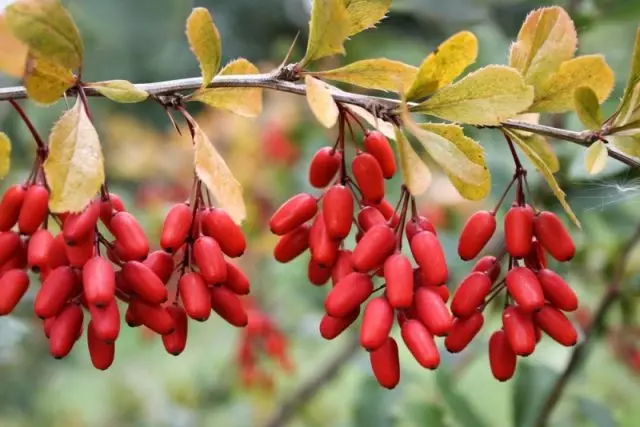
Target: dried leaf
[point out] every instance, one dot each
(633, 83)
(46, 81)
(444, 64)
(415, 173)
(484, 97)
(542, 148)
(74, 167)
(321, 102)
(245, 101)
(5, 155)
(588, 107)
(48, 29)
(121, 91)
(386, 128)
(542, 168)
(382, 74)
(556, 94)
(595, 157)
(364, 14)
(14, 53)
(204, 40)
(214, 172)
(473, 151)
(547, 39)
(329, 27)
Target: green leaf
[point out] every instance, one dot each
(204, 40)
(588, 107)
(373, 405)
(595, 157)
(321, 101)
(459, 407)
(633, 84)
(329, 27)
(484, 97)
(547, 39)
(381, 74)
(121, 91)
(531, 385)
(48, 29)
(442, 66)
(631, 111)
(75, 166)
(415, 173)
(542, 148)
(597, 413)
(5, 155)
(425, 414)
(474, 152)
(46, 81)
(546, 173)
(629, 145)
(364, 14)
(215, 174)
(556, 94)
(245, 101)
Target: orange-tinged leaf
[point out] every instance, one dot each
(14, 53)
(321, 102)
(204, 40)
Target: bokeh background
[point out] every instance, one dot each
(149, 165)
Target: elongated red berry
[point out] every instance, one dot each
(228, 306)
(153, 316)
(555, 324)
(377, 322)
(317, 274)
(385, 364)
(144, 282)
(78, 226)
(368, 175)
(13, 285)
(176, 227)
(502, 359)
(431, 310)
(324, 249)
(462, 332)
(195, 296)
(388, 211)
(376, 144)
(398, 274)
(476, 233)
(175, 342)
(55, 291)
(106, 321)
(417, 224)
(342, 267)
(470, 294)
(536, 259)
(101, 352)
(557, 291)
(34, 209)
(337, 209)
(237, 282)
(130, 235)
(81, 252)
(293, 213)
(161, 263)
(428, 253)
(9, 245)
(65, 331)
(130, 316)
(210, 260)
(553, 236)
(218, 224)
(331, 327)
(292, 244)
(518, 230)
(99, 281)
(10, 206)
(108, 207)
(525, 289)
(324, 166)
(58, 252)
(420, 343)
(370, 216)
(38, 249)
(347, 295)
(488, 264)
(374, 247)
(519, 329)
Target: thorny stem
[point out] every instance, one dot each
(504, 194)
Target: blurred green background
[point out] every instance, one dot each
(150, 167)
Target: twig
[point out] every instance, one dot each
(580, 352)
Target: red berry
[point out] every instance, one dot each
(176, 227)
(489, 265)
(432, 311)
(10, 206)
(13, 285)
(502, 359)
(553, 236)
(428, 253)
(557, 291)
(34, 209)
(378, 146)
(536, 258)
(418, 224)
(79, 226)
(228, 306)
(130, 316)
(374, 248)
(518, 230)
(324, 250)
(385, 363)
(130, 235)
(161, 263)
(210, 260)
(347, 295)
(519, 329)
(292, 244)
(9, 244)
(470, 294)
(337, 209)
(443, 291)
(331, 327)
(324, 166)
(555, 324)
(476, 233)
(106, 321)
(218, 224)
(55, 291)
(108, 208)
(46, 326)
(318, 274)
(81, 252)
(175, 342)
(370, 216)
(420, 343)
(65, 331)
(101, 352)
(195, 296)
(236, 281)
(38, 250)
(99, 281)
(144, 282)
(377, 322)
(398, 275)
(368, 176)
(525, 289)
(293, 213)
(153, 316)
(342, 267)
(58, 252)
(462, 332)
(388, 211)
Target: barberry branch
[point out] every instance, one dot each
(580, 351)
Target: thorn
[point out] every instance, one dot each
(290, 51)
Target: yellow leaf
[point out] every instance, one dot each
(74, 167)
(204, 40)
(245, 101)
(415, 173)
(542, 148)
(5, 155)
(48, 29)
(547, 39)
(46, 81)
(629, 145)
(472, 150)
(14, 52)
(444, 64)
(542, 168)
(556, 94)
(329, 27)
(386, 128)
(484, 97)
(214, 172)
(321, 102)
(588, 108)
(121, 91)
(365, 14)
(382, 74)
(444, 152)
(595, 157)
(633, 83)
